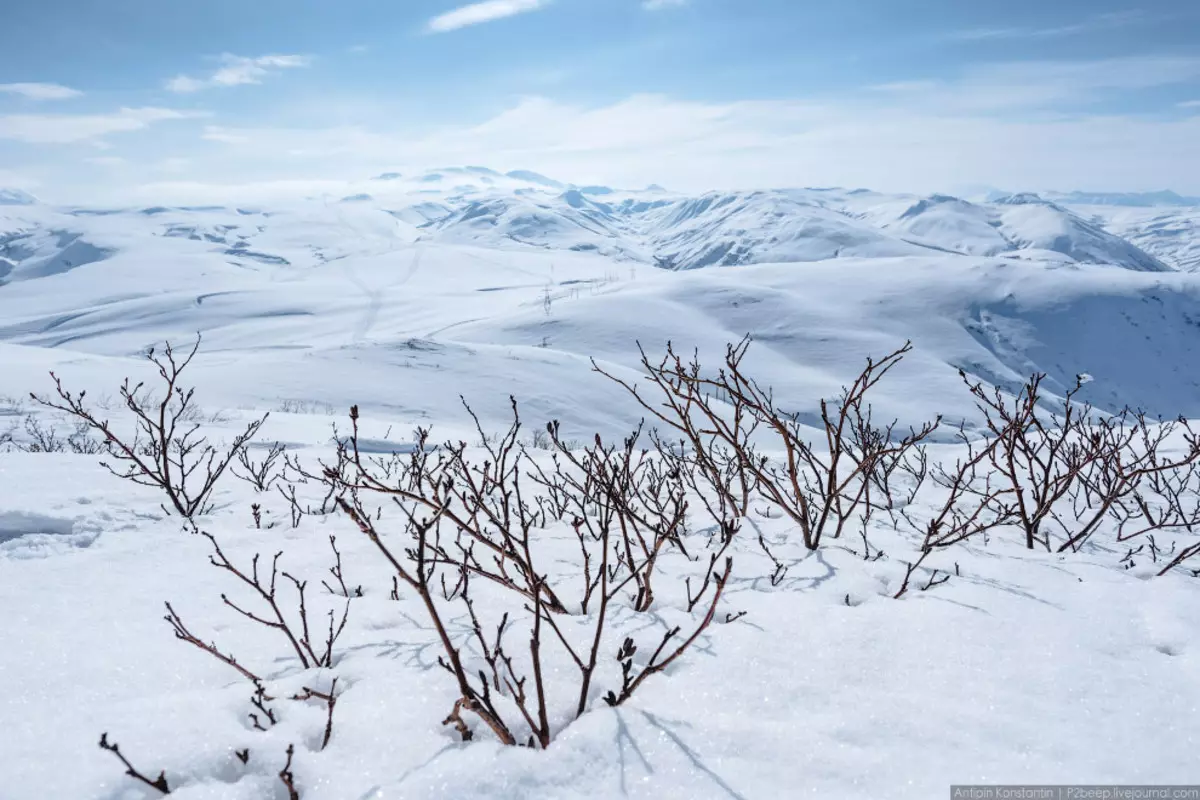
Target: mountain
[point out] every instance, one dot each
(568, 222)
(1133, 199)
(482, 207)
(1018, 226)
(953, 224)
(759, 227)
(1032, 222)
(436, 255)
(16, 197)
(1171, 234)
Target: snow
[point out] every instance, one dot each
(422, 288)
(16, 197)
(1171, 234)
(827, 687)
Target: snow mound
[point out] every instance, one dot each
(27, 535)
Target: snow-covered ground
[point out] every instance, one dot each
(404, 294)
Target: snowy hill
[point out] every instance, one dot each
(482, 207)
(472, 257)
(1170, 234)
(1019, 225)
(16, 197)
(760, 227)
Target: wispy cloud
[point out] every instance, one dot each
(698, 146)
(1098, 22)
(238, 71)
(487, 11)
(658, 5)
(72, 128)
(40, 91)
(1189, 104)
(1020, 124)
(1041, 85)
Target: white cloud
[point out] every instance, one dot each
(1189, 104)
(1098, 22)
(1020, 126)
(486, 11)
(658, 5)
(40, 91)
(70, 128)
(698, 146)
(238, 71)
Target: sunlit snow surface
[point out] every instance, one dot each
(404, 294)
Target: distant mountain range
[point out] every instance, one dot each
(1136, 199)
(1154, 232)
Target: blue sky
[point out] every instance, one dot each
(140, 98)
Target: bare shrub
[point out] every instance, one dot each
(330, 699)
(540, 440)
(14, 408)
(471, 528)
(165, 451)
(159, 783)
(606, 487)
(1071, 469)
(287, 778)
(1040, 455)
(471, 533)
(305, 407)
(1135, 485)
(821, 487)
(972, 505)
(35, 436)
(706, 431)
(294, 628)
(263, 474)
(294, 481)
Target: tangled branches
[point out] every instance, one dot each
(820, 487)
(475, 528)
(167, 449)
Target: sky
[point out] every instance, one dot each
(140, 100)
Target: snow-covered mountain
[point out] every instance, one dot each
(1128, 199)
(475, 257)
(1170, 234)
(482, 207)
(16, 197)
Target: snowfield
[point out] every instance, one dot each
(408, 294)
